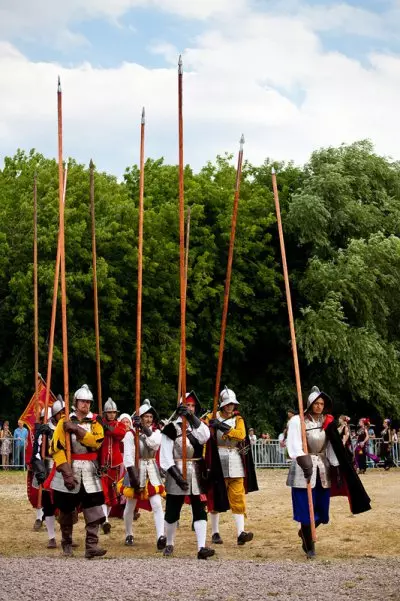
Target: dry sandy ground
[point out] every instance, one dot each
(358, 557)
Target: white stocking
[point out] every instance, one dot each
(214, 522)
(201, 532)
(39, 514)
(239, 519)
(106, 511)
(170, 530)
(50, 524)
(158, 514)
(128, 516)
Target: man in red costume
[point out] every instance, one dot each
(111, 458)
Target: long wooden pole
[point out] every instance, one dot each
(140, 282)
(35, 298)
(186, 283)
(51, 336)
(228, 277)
(294, 344)
(95, 294)
(182, 257)
(62, 264)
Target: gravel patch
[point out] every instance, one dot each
(191, 579)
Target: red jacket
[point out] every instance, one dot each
(110, 451)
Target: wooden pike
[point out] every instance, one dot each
(140, 283)
(62, 264)
(294, 343)
(228, 277)
(95, 295)
(182, 258)
(186, 282)
(35, 299)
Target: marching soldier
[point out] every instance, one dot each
(110, 458)
(237, 463)
(177, 487)
(145, 486)
(79, 483)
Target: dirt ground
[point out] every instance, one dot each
(361, 553)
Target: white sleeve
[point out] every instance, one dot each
(153, 442)
(129, 449)
(330, 455)
(166, 453)
(202, 433)
(294, 443)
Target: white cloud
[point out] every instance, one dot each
(263, 74)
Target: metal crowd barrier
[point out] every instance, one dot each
(16, 456)
(271, 455)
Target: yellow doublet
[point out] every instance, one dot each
(92, 440)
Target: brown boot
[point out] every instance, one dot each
(94, 516)
(66, 525)
(52, 543)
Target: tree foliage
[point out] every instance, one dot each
(341, 216)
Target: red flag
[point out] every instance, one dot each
(29, 416)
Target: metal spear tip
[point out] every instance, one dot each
(143, 116)
(91, 164)
(241, 142)
(59, 84)
(273, 170)
(180, 65)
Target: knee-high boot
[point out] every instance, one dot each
(94, 516)
(66, 521)
(308, 545)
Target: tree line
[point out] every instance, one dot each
(341, 218)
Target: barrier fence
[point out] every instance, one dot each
(272, 455)
(266, 454)
(12, 454)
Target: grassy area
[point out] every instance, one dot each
(373, 534)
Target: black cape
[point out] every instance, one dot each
(352, 486)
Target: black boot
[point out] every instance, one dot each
(307, 541)
(66, 524)
(205, 552)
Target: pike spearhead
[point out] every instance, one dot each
(143, 121)
(91, 164)
(180, 65)
(241, 142)
(59, 85)
(273, 170)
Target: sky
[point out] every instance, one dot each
(291, 75)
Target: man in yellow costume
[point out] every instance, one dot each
(236, 461)
(78, 483)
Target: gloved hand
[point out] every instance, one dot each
(66, 471)
(182, 411)
(218, 425)
(41, 477)
(193, 420)
(147, 431)
(306, 464)
(106, 427)
(136, 421)
(133, 474)
(44, 429)
(177, 476)
(74, 428)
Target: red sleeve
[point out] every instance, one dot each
(328, 420)
(119, 431)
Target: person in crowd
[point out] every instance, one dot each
(231, 435)
(143, 485)
(362, 448)
(386, 445)
(5, 444)
(192, 487)
(20, 444)
(325, 464)
(110, 458)
(344, 433)
(79, 483)
(252, 436)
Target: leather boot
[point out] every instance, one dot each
(308, 545)
(92, 539)
(66, 525)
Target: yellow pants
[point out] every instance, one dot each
(236, 495)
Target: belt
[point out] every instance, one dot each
(193, 459)
(84, 456)
(226, 446)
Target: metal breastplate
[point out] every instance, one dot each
(144, 451)
(316, 436)
(178, 445)
(227, 442)
(76, 446)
